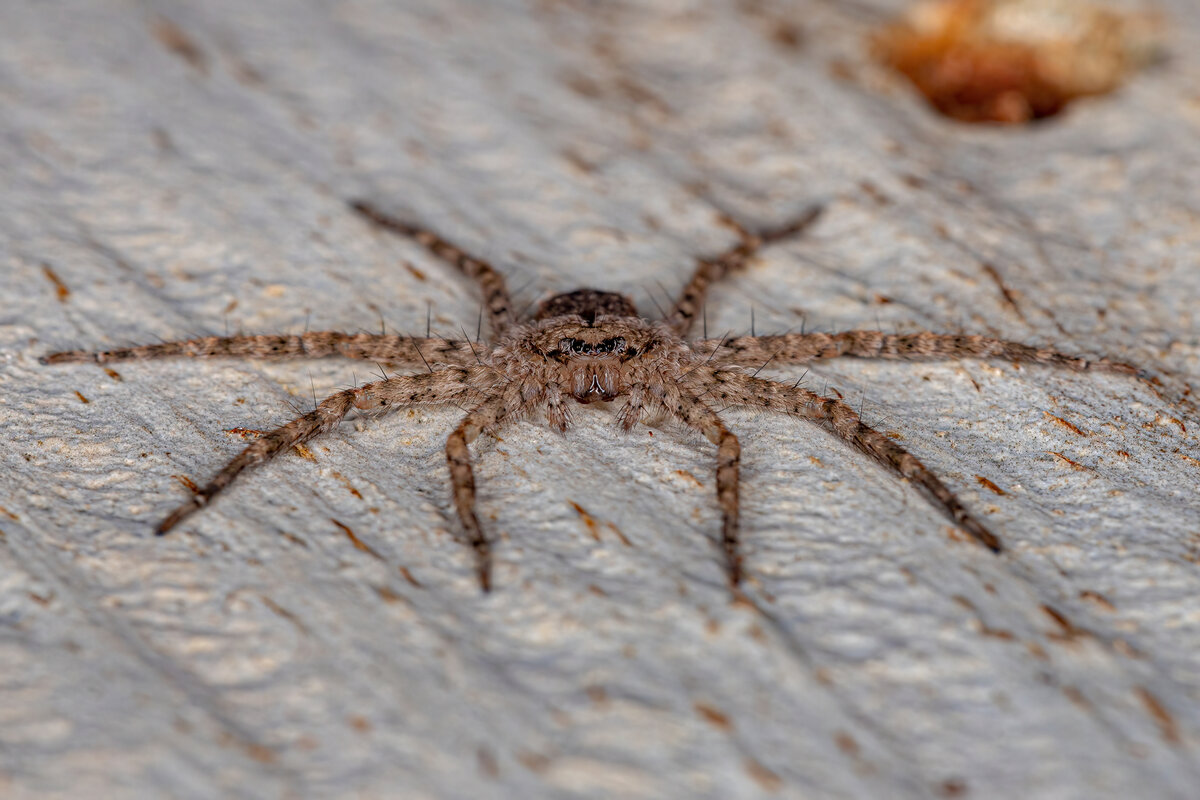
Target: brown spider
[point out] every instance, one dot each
(589, 346)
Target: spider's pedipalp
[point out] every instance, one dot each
(801, 348)
(443, 386)
(390, 348)
(737, 388)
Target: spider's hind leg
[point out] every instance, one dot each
(430, 388)
(740, 389)
(489, 415)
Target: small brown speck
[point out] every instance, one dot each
(714, 717)
(82, 399)
(9, 514)
(188, 483)
(360, 723)
(172, 37)
(787, 35)
(1166, 723)
(1098, 599)
(260, 753)
(408, 576)
(534, 762)
(597, 694)
(60, 288)
(359, 544)
(588, 520)
(1075, 696)
(487, 763)
(416, 273)
(283, 612)
(112, 373)
(953, 787)
(1068, 630)
(346, 482)
(985, 483)
(1075, 465)
(387, 594)
(1068, 425)
(846, 743)
(764, 777)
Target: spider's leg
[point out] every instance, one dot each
(709, 271)
(693, 412)
(801, 348)
(442, 386)
(388, 348)
(737, 388)
(491, 283)
(489, 415)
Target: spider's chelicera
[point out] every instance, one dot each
(586, 346)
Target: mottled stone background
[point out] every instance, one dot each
(176, 168)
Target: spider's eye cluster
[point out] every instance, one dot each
(582, 348)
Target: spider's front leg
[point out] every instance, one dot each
(801, 348)
(736, 388)
(430, 388)
(387, 348)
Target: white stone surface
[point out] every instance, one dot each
(181, 181)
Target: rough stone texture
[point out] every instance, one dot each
(180, 167)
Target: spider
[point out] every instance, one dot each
(590, 346)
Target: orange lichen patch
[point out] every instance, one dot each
(304, 452)
(245, 432)
(1011, 61)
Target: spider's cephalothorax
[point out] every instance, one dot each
(591, 346)
(588, 346)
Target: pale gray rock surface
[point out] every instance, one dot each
(180, 168)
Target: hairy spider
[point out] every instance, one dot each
(587, 346)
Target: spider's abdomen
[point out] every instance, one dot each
(587, 303)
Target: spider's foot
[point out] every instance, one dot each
(178, 515)
(981, 534)
(483, 568)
